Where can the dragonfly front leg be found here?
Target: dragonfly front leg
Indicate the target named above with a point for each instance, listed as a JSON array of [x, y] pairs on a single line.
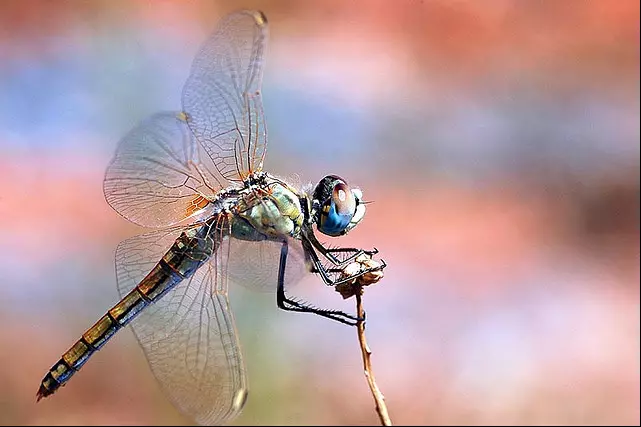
[[326, 273], [290, 304], [328, 253]]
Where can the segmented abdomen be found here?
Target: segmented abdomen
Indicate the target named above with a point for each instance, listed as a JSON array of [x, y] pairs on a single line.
[[189, 251]]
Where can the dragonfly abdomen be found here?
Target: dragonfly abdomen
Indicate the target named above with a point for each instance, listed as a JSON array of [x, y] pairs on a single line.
[[187, 253]]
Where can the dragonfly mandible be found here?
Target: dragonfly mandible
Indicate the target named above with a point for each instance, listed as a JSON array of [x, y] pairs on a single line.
[[196, 176]]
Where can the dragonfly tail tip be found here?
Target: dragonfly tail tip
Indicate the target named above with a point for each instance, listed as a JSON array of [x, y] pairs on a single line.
[[42, 392]]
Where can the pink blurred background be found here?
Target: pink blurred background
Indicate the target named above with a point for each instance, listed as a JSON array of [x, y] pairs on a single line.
[[498, 139]]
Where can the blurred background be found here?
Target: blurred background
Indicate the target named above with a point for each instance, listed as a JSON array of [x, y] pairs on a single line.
[[499, 141]]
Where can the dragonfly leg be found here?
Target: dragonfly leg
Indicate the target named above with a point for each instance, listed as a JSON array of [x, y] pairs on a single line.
[[329, 253], [326, 273], [292, 304]]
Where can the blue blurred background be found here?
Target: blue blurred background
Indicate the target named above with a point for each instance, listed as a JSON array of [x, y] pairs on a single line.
[[499, 141]]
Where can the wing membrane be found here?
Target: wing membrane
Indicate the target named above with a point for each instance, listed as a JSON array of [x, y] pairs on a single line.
[[159, 175], [254, 265], [222, 95], [188, 336]]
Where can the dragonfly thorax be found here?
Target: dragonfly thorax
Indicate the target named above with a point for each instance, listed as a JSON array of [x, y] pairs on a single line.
[[267, 209]]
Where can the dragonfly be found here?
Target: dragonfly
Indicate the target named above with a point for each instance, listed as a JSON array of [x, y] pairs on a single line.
[[195, 177]]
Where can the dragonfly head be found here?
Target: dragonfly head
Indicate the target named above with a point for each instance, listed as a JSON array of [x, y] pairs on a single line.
[[338, 207]]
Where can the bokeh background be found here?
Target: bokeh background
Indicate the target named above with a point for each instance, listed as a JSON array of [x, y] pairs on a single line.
[[499, 141]]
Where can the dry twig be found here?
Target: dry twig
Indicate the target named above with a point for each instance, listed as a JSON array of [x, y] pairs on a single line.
[[381, 408], [355, 288]]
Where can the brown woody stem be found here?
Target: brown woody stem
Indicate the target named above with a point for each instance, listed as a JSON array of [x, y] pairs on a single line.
[[379, 399]]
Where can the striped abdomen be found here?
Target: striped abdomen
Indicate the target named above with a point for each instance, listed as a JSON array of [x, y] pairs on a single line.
[[189, 251]]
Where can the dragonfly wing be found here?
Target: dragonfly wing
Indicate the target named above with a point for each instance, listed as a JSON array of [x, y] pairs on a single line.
[[222, 99], [138, 255], [254, 265], [189, 335], [159, 175]]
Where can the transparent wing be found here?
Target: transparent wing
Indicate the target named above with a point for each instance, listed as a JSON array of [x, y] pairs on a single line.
[[254, 265], [159, 175], [222, 99], [188, 336], [138, 255]]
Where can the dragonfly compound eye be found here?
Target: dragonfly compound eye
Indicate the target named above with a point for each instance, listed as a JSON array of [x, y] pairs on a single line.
[[337, 210], [344, 200]]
